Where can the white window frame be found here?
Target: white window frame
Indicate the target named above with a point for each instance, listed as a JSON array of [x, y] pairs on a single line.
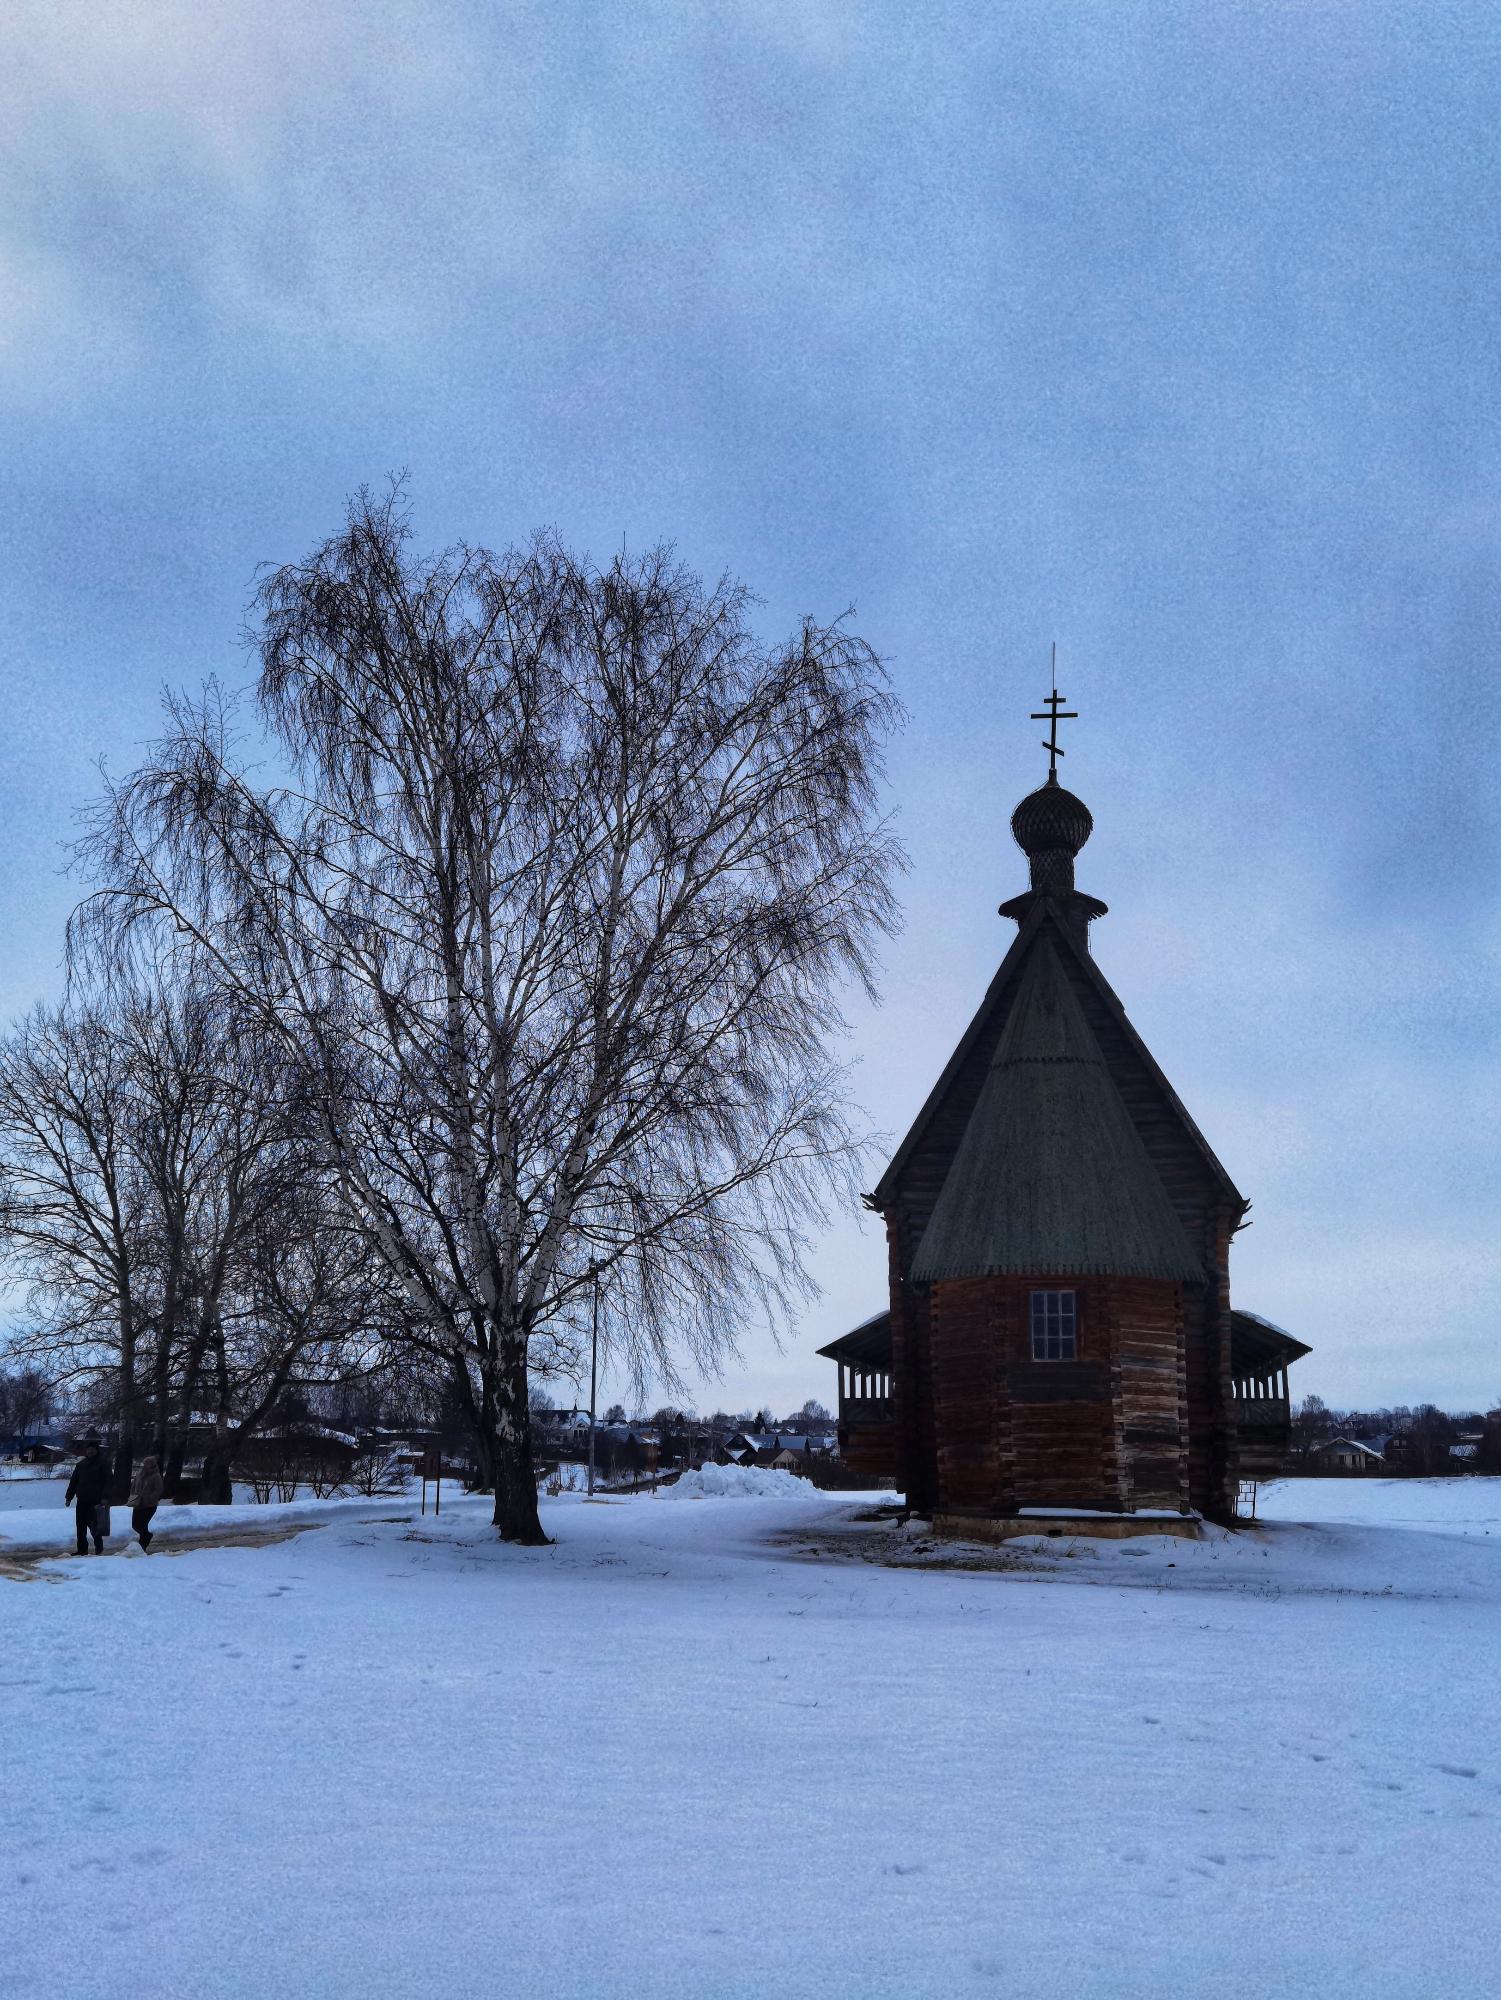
[[1054, 1325]]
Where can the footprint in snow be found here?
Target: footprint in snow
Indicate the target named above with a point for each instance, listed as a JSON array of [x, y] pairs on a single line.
[[1457, 1770]]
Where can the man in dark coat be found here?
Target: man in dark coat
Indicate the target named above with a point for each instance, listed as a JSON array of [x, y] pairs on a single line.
[[87, 1489]]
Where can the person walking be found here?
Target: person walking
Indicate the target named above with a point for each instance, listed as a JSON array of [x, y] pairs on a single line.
[[86, 1494], [145, 1500]]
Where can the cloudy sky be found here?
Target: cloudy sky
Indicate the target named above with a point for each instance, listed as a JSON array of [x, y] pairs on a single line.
[[1167, 331]]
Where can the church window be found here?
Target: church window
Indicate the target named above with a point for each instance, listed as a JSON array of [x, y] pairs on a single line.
[[1055, 1326]]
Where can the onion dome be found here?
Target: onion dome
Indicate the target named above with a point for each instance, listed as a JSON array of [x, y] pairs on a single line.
[[1051, 821]]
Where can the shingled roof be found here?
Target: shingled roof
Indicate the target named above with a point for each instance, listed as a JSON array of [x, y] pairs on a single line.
[[1258, 1344], [1051, 1176], [867, 1345], [997, 997]]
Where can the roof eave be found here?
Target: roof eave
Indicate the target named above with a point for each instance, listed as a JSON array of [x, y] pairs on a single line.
[[1030, 1269], [885, 1188]]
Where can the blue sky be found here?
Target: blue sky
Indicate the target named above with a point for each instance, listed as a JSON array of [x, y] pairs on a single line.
[[1167, 331]]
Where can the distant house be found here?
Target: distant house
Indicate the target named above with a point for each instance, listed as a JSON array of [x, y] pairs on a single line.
[[409, 1447], [785, 1460], [769, 1447], [1345, 1456], [30, 1449], [302, 1442], [743, 1446], [570, 1422]]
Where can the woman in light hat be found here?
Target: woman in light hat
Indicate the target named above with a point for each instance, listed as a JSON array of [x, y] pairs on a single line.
[[145, 1500]]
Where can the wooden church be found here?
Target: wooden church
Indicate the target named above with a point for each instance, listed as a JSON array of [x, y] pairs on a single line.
[[1060, 1339]]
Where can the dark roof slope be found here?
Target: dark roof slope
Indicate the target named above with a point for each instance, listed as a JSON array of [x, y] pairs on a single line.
[[1257, 1345], [1041, 919], [1051, 1175], [867, 1345]]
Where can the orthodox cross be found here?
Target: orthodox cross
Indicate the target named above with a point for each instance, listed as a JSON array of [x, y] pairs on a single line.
[[1050, 742]]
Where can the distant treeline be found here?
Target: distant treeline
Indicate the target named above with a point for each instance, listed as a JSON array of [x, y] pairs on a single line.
[[1420, 1438]]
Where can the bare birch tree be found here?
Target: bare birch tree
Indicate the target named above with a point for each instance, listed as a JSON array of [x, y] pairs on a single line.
[[163, 1199], [552, 917], [74, 1200]]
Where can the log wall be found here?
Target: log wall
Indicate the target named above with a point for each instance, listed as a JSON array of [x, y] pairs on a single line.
[[1106, 1431], [868, 1447], [1150, 1393]]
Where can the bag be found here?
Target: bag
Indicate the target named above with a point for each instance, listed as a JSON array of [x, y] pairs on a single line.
[[101, 1520]]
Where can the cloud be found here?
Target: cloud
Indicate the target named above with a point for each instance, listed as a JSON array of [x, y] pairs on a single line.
[[1163, 332], [378, 173]]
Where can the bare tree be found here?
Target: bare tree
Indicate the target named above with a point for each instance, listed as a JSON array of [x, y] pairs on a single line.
[[304, 1311], [27, 1399], [1429, 1441], [809, 1416], [552, 920], [73, 1200], [373, 1471], [1312, 1425], [185, 1252]]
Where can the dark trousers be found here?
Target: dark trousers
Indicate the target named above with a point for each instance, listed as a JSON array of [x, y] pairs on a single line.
[[140, 1521], [84, 1513]]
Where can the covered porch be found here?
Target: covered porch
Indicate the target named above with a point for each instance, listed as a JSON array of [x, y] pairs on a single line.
[[867, 1432], [1260, 1356]]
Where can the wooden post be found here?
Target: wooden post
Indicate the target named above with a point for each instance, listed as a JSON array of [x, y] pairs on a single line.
[[593, 1382]]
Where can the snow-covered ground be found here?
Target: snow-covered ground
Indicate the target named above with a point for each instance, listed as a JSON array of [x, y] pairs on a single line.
[[737, 1746]]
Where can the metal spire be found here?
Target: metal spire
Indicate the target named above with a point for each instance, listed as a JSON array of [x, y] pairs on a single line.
[[1053, 715]]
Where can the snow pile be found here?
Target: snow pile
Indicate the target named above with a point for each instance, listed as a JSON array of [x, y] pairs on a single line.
[[741, 1482]]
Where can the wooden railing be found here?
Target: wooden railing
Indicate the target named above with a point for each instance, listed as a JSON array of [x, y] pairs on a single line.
[[1265, 1413]]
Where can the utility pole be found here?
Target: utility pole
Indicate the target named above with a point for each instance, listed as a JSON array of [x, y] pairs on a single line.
[[593, 1383]]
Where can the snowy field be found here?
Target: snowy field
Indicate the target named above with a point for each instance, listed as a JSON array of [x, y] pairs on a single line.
[[739, 1745]]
